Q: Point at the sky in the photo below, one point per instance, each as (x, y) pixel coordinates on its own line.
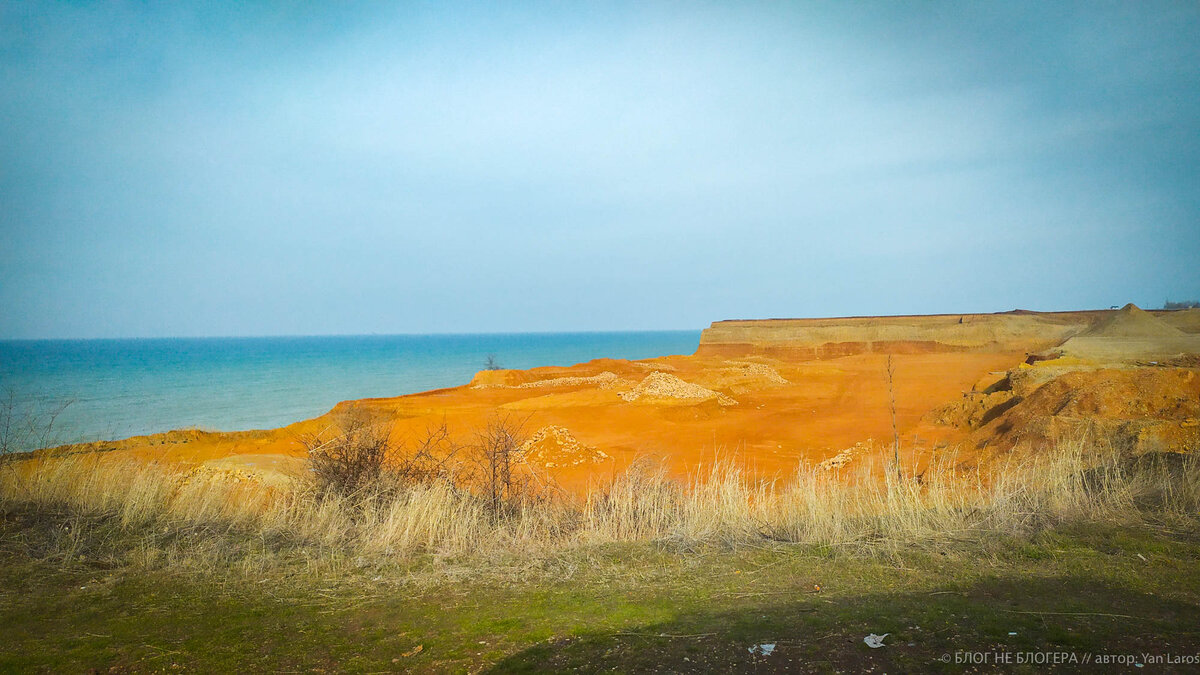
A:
(204, 169)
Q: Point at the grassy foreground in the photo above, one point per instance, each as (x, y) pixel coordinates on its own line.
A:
(1077, 559)
(1079, 593)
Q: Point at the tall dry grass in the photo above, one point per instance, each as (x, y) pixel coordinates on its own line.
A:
(860, 508)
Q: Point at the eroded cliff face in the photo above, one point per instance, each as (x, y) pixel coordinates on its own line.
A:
(1004, 331)
(837, 337)
(1128, 380)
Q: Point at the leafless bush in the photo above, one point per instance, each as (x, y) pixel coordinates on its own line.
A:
(428, 461)
(359, 456)
(501, 477)
(23, 427)
(355, 457)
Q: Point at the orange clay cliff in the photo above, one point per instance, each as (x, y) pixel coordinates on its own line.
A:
(770, 394)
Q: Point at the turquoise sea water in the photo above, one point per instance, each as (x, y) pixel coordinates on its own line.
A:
(121, 388)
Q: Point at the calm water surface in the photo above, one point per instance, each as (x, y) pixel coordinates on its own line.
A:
(120, 388)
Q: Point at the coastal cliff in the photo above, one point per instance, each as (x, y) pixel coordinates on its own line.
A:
(844, 336)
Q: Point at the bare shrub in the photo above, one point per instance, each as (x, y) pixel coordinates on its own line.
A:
(429, 460)
(501, 477)
(23, 427)
(503, 511)
(355, 457)
(359, 457)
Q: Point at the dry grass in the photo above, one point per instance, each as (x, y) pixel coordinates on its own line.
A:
(197, 519)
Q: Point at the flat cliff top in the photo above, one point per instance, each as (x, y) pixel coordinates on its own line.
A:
(1070, 315)
(1017, 329)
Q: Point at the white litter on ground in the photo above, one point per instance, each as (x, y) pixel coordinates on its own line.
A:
(875, 641)
(765, 649)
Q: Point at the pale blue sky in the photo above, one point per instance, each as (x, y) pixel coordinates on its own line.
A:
(356, 168)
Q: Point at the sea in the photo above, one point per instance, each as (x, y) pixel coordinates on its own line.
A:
(69, 391)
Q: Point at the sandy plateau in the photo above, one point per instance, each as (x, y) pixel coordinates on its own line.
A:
(773, 393)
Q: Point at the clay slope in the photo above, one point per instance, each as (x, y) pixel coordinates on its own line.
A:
(1186, 320)
(1131, 322)
(1137, 409)
(1131, 335)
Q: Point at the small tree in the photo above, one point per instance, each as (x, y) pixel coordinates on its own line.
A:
(491, 363)
(501, 478)
(891, 372)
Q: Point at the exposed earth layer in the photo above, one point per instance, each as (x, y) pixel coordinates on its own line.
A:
(772, 394)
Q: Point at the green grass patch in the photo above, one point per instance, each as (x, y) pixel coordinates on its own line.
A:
(610, 609)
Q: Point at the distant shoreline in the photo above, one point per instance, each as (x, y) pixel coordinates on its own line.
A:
(122, 387)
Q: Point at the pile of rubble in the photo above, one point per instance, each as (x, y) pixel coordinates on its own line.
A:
(663, 385)
(555, 446)
(605, 380)
(212, 475)
(758, 370)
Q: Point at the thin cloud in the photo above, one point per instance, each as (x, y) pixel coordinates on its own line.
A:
(180, 170)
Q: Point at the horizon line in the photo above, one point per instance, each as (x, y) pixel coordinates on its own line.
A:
(344, 335)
